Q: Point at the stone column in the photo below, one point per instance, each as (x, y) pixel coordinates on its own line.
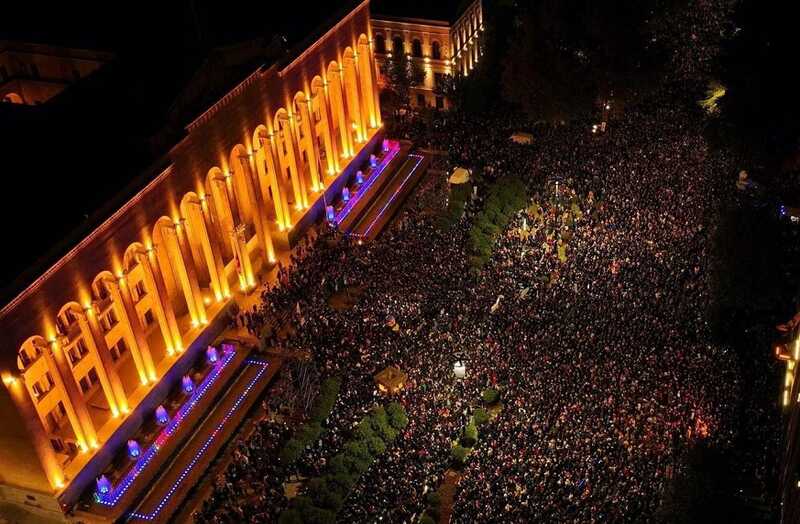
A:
(200, 224)
(310, 132)
(39, 439)
(72, 397)
(109, 378)
(331, 154)
(340, 112)
(155, 285)
(259, 215)
(181, 258)
(268, 171)
(140, 349)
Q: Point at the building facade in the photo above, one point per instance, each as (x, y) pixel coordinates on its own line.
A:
(91, 337)
(438, 47)
(32, 74)
(788, 351)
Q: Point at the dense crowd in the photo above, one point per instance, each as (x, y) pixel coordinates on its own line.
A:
(603, 355)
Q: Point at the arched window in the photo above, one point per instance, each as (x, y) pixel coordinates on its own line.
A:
(416, 48)
(397, 45)
(437, 51)
(380, 44)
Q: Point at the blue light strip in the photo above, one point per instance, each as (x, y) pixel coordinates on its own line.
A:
(112, 498)
(419, 158)
(376, 173)
(200, 452)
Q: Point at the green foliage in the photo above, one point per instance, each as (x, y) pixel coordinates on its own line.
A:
(339, 464)
(505, 197)
(459, 454)
(325, 495)
(426, 519)
(323, 406)
(376, 446)
(480, 417)
(470, 436)
(397, 415)
(433, 498)
(291, 451)
(364, 430)
(309, 433)
(315, 515)
(402, 75)
(490, 396)
(359, 450)
(380, 424)
(456, 204)
(290, 516)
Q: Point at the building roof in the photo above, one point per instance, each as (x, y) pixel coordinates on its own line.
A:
(70, 163)
(441, 10)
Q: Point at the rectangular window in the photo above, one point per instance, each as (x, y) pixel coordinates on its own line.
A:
(93, 378)
(421, 100)
(439, 102)
(139, 291)
(148, 318)
(118, 350)
(34, 71)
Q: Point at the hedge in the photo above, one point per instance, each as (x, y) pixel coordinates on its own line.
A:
(470, 436)
(311, 432)
(505, 198)
(426, 519)
(325, 495)
(459, 454)
(490, 396)
(480, 416)
(456, 204)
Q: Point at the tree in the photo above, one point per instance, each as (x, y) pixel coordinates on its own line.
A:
(402, 75)
(755, 62)
(397, 415)
(480, 416)
(291, 451)
(470, 436)
(459, 454)
(490, 396)
(566, 51)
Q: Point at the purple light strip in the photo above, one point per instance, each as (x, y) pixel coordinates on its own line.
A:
(188, 469)
(419, 158)
(376, 173)
(113, 497)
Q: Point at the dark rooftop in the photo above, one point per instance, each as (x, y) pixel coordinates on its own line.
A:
(70, 163)
(443, 10)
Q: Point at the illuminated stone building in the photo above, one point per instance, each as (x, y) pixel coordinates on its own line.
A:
(33, 74)
(88, 340)
(789, 353)
(443, 39)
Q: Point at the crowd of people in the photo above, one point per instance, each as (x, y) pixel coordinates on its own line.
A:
(603, 356)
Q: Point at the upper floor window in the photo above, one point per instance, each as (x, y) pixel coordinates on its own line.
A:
(416, 48)
(436, 51)
(34, 71)
(139, 291)
(380, 44)
(398, 45)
